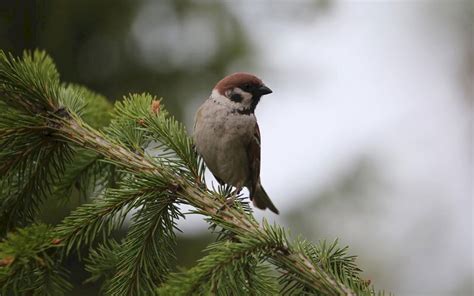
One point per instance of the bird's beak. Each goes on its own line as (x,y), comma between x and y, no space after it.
(264,90)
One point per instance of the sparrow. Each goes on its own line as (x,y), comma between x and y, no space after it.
(227,137)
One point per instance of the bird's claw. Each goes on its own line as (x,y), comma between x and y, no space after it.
(229,202)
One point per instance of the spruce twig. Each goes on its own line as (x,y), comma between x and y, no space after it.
(229,218)
(153,182)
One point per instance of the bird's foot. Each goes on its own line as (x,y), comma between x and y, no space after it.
(229,202)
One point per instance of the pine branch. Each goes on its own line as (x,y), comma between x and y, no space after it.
(86,174)
(105,214)
(231,219)
(102,263)
(28,266)
(229,262)
(148,250)
(155,182)
(33,77)
(32,160)
(26,186)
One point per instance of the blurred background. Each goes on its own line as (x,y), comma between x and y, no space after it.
(367,137)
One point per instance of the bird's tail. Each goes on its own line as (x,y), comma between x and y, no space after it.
(261,200)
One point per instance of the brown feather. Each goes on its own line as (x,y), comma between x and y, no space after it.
(257,194)
(253,153)
(235,80)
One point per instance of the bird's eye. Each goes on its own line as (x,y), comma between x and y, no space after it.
(247,86)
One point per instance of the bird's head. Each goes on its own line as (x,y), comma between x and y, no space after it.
(242,90)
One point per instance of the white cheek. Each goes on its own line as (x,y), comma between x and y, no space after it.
(225,101)
(246,97)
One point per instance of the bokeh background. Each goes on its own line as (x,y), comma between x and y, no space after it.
(368,136)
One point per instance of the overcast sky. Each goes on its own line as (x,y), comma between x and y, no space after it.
(382,79)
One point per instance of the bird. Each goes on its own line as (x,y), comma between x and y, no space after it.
(227,136)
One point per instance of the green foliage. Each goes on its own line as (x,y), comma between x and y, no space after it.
(29,264)
(126,130)
(102,262)
(147,253)
(97,109)
(233,267)
(29,170)
(30,84)
(140,120)
(29,158)
(47,149)
(86,176)
(106,213)
(34,163)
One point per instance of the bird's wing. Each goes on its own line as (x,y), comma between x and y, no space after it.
(197,116)
(253,155)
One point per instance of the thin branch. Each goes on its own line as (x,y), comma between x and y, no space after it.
(32,88)
(236,221)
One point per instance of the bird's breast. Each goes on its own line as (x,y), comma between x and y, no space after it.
(222,138)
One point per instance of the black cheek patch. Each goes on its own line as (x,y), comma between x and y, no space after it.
(236,98)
